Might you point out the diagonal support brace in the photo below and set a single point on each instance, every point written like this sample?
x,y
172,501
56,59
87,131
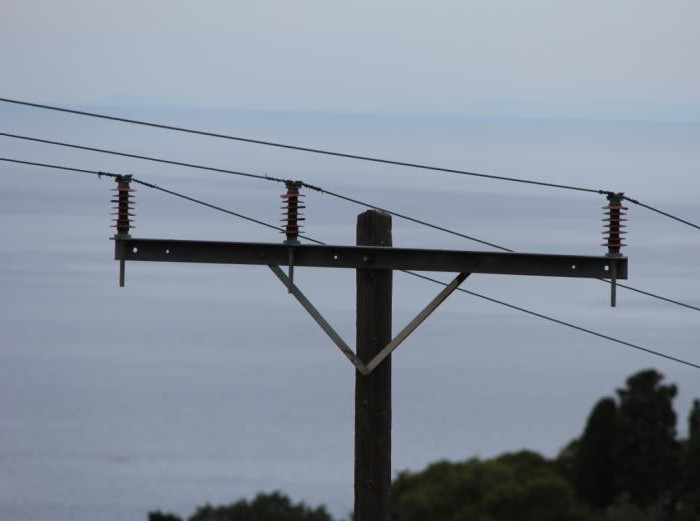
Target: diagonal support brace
x,y
391,346
417,321
316,315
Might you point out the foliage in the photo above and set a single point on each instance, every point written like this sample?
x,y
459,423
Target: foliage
x,y
689,504
265,507
694,421
593,472
627,465
624,510
162,516
646,451
522,486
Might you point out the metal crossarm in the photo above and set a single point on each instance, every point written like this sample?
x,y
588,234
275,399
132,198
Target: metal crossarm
x,y
370,257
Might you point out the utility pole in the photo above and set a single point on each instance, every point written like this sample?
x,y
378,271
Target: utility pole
x,y
374,259
373,391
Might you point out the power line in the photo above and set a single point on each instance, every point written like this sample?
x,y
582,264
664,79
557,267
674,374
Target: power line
x,y
484,297
60,167
340,154
266,178
649,294
561,322
136,156
219,208
246,174
301,148
324,191
661,212
158,188
403,216
494,245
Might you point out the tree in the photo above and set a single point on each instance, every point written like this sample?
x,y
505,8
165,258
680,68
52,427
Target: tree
x,y
624,510
265,507
691,453
646,451
521,486
593,465
689,507
694,421
162,516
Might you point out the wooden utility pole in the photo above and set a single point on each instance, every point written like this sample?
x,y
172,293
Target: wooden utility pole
x,y
373,391
374,259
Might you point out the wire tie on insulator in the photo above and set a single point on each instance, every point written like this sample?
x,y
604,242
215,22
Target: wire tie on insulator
x,y
123,214
291,216
614,232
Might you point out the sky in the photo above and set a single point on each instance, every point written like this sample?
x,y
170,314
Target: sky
x,y
624,58
199,383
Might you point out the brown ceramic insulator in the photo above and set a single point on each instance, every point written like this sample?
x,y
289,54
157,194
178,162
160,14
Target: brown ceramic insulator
x,y
613,231
292,207
123,201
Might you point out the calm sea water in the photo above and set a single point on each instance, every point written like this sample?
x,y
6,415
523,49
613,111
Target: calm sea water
x,y
204,384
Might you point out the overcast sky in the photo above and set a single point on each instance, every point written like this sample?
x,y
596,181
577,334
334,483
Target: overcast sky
x,y
627,57
204,383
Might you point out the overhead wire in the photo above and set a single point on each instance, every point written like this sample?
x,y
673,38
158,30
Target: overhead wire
x,y
323,191
562,322
404,216
219,208
661,212
436,281
339,154
654,295
138,156
99,173
320,190
494,245
255,176
246,174
298,148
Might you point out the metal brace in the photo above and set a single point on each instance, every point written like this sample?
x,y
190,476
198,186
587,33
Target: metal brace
x,y
366,369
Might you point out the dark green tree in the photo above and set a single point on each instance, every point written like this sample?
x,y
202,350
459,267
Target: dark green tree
x,y
522,486
624,510
265,507
694,421
162,516
593,465
646,450
689,505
